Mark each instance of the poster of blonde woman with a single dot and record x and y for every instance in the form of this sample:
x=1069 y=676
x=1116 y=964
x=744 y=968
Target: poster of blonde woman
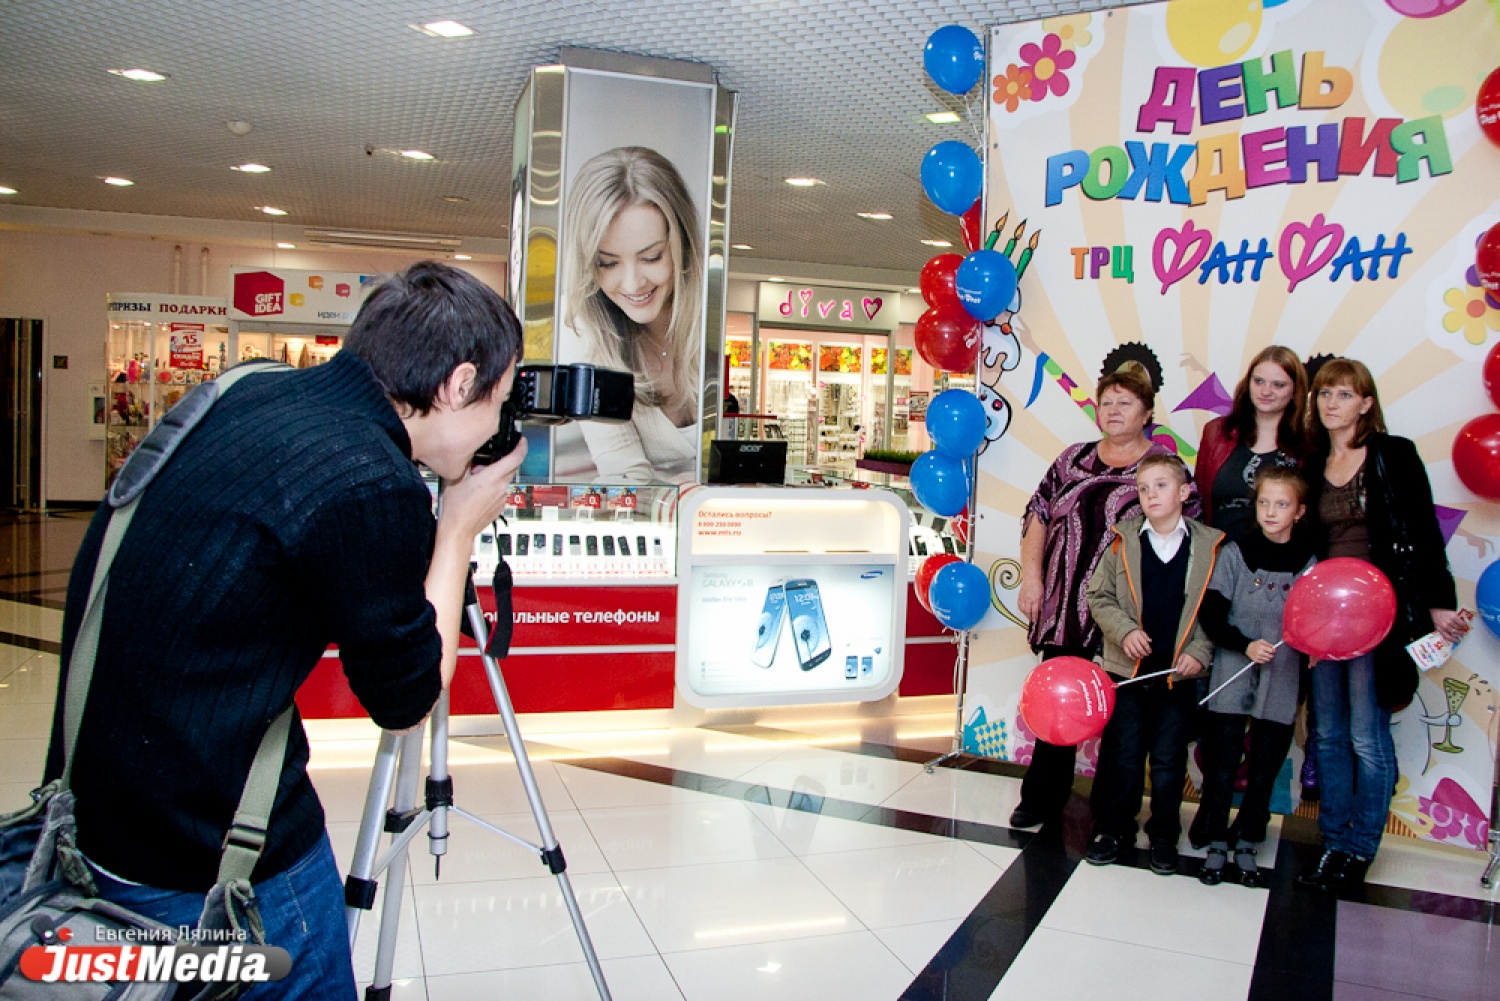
x=634 y=249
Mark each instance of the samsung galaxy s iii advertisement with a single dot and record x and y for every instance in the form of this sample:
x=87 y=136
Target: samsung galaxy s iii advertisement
x=801 y=630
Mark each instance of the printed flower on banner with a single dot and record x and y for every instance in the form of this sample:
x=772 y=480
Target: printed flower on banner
x=1047 y=63
x=1014 y=87
x=1456 y=818
x=1470 y=314
x=1072 y=30
x=1024 y=747
x=1408 y=809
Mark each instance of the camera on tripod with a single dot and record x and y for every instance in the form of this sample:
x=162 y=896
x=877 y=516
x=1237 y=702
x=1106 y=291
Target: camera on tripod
x=558 y=394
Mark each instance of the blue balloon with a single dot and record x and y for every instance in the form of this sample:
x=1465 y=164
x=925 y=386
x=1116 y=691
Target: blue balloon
x=1487 y=597
x=959 y=595
x=956 y=421
x=954 y=59
x=952 y=176
x=941 y=483
x=986 y=284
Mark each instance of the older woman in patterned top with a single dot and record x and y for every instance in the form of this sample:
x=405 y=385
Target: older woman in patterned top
x=1089 y=488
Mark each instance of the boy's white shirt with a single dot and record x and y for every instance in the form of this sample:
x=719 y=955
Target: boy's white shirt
x=1166 y=543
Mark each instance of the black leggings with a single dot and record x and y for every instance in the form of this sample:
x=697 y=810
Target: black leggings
x=1223 y=746
x=1049 y=778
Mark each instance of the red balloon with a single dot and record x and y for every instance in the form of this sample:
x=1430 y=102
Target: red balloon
x=948 y=338
x=960 y=525
x=1067 y=700
x=928 y=570
x=937 y=278
x=972 y=225
x=1476 y=454
x=1340 y=609
x=1487 y=106
x=1487 y=261
x=1492 y=374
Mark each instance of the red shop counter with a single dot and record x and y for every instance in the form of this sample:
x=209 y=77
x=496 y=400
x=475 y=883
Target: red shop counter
x=583 y=647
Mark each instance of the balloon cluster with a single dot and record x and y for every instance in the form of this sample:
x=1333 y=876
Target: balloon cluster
x=956 y=592
x=962 y=293
x=1476 y=450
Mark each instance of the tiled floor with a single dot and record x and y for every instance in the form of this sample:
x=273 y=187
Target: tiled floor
x=822 y=861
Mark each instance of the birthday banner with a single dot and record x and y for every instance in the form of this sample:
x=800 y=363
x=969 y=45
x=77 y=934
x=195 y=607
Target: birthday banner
x=1182 y=184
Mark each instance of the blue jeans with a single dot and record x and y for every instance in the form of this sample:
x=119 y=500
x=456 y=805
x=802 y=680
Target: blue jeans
x=1356 y=756
x=303 y=911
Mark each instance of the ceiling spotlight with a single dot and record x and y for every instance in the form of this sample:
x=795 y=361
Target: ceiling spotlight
x=878 y=216
x=938 y=243
x=286 y=246
x=802 y=182
x=775 y=279
x=416 y=154
x=119 y=182
x=463 y=257
x=454 y=199
x=914 y=291
x=443 y=29
x=268 y=210
x=943 y=118
x=740 y=246
x=143 y=76
x=239 y=128
x=6 y=191
x=252 y=168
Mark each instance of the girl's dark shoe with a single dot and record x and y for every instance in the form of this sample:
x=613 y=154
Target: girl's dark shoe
x=1328 y=872
x=1212 y=873
x=1244 y=861
x=1351 y=877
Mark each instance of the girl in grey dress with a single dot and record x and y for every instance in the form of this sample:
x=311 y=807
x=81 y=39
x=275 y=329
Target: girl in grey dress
x=1242 y=614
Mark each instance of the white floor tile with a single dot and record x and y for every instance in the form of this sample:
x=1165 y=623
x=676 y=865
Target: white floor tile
x=915 y=945
x=15 y=795
x=1428 y=867
x=827 y=968
x=12 y=657
x=23 y=760
x=1061 y=965
x=998 y=854
x=1170 y=913
x=708 y=830
x=504 y=924
x=32 y=682
x=591 y=790
x=26 y=721
x=707 y=752
x=949 y=792
x=411 y=989
x=407 y=962
x=638 y=978
x=817 y=773
x=478 y=788
x=476 y=854
x=735 y=903
x=30 y=620
x=909 y=884
x=815 y=834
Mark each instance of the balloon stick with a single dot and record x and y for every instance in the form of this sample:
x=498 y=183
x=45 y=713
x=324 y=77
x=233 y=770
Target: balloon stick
x=1144 y=677
x=1232 y=680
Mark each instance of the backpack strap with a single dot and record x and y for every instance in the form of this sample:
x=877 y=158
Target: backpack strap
x=247 y=835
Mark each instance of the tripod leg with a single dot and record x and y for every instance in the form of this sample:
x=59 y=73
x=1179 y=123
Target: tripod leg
x=359 y=886
x=552 y=855
x=401 y=815
x=439 y=787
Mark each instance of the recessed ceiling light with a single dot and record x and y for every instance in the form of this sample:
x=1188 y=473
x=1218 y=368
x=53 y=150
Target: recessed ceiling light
x=463 y=257
x=269 y=210
x=775 y=279
x=943 y=118
x=740 y=246
x=119 y=182
x=938 y=243
x=878 y=216
x=286 y=246
x=443 y=29
x=6 y=191
x=144 y=76
x=914 y=291
x=802 y=182
x=416 y=154
x=252 y=168
x=454 y=199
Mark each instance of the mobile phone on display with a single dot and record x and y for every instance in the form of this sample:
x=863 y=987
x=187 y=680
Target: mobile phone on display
x=640 y=545
x=948 y=546
x=505 y=543
x=921 y=548
x=523 y=545
x=539 y=543
x=624 y=546
x=591 y=545
x=574 y=549
x=851 y=667
x=809 y=627
x=768 y=632
x=557 y=545
x=609 y=545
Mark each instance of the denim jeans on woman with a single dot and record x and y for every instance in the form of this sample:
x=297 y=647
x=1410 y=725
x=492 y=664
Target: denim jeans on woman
x=1356 y=756
x=303 y=911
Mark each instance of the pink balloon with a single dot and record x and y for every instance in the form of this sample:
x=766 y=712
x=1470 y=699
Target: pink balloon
x=1422 y=8
x=1067 y=700
x=1339 y=610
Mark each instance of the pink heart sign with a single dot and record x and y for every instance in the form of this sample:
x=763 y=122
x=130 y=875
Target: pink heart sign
x=872 y=306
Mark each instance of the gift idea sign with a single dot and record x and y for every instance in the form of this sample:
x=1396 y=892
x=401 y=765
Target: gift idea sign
x=1182 y=184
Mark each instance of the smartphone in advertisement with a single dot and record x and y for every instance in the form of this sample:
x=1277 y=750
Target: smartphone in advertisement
x=609 y=545
x=851 y=667
x=809 y=627
x=557 y=544
x=505 y=541
x=768 y=632
x=523 y=544
x=948 y=546
x=591 y=545
x=625 y=546
x=539 y=543
x=574 y=547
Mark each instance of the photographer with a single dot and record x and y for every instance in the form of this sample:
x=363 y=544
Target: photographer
x=292 y=518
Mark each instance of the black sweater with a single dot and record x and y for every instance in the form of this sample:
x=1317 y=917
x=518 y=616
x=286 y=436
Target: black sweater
x=291 y=519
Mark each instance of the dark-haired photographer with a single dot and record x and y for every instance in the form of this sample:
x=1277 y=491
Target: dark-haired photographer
x=293 y=517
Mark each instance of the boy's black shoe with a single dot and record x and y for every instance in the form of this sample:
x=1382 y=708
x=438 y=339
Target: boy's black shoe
x=1164 y=860
x=1329 y=871
x=1103 y=850
x=1021 y=817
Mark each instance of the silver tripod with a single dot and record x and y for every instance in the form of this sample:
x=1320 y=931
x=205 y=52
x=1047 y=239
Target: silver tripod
x=404 y=821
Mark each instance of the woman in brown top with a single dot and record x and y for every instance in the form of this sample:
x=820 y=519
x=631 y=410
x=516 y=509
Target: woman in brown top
x=1369 y=491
